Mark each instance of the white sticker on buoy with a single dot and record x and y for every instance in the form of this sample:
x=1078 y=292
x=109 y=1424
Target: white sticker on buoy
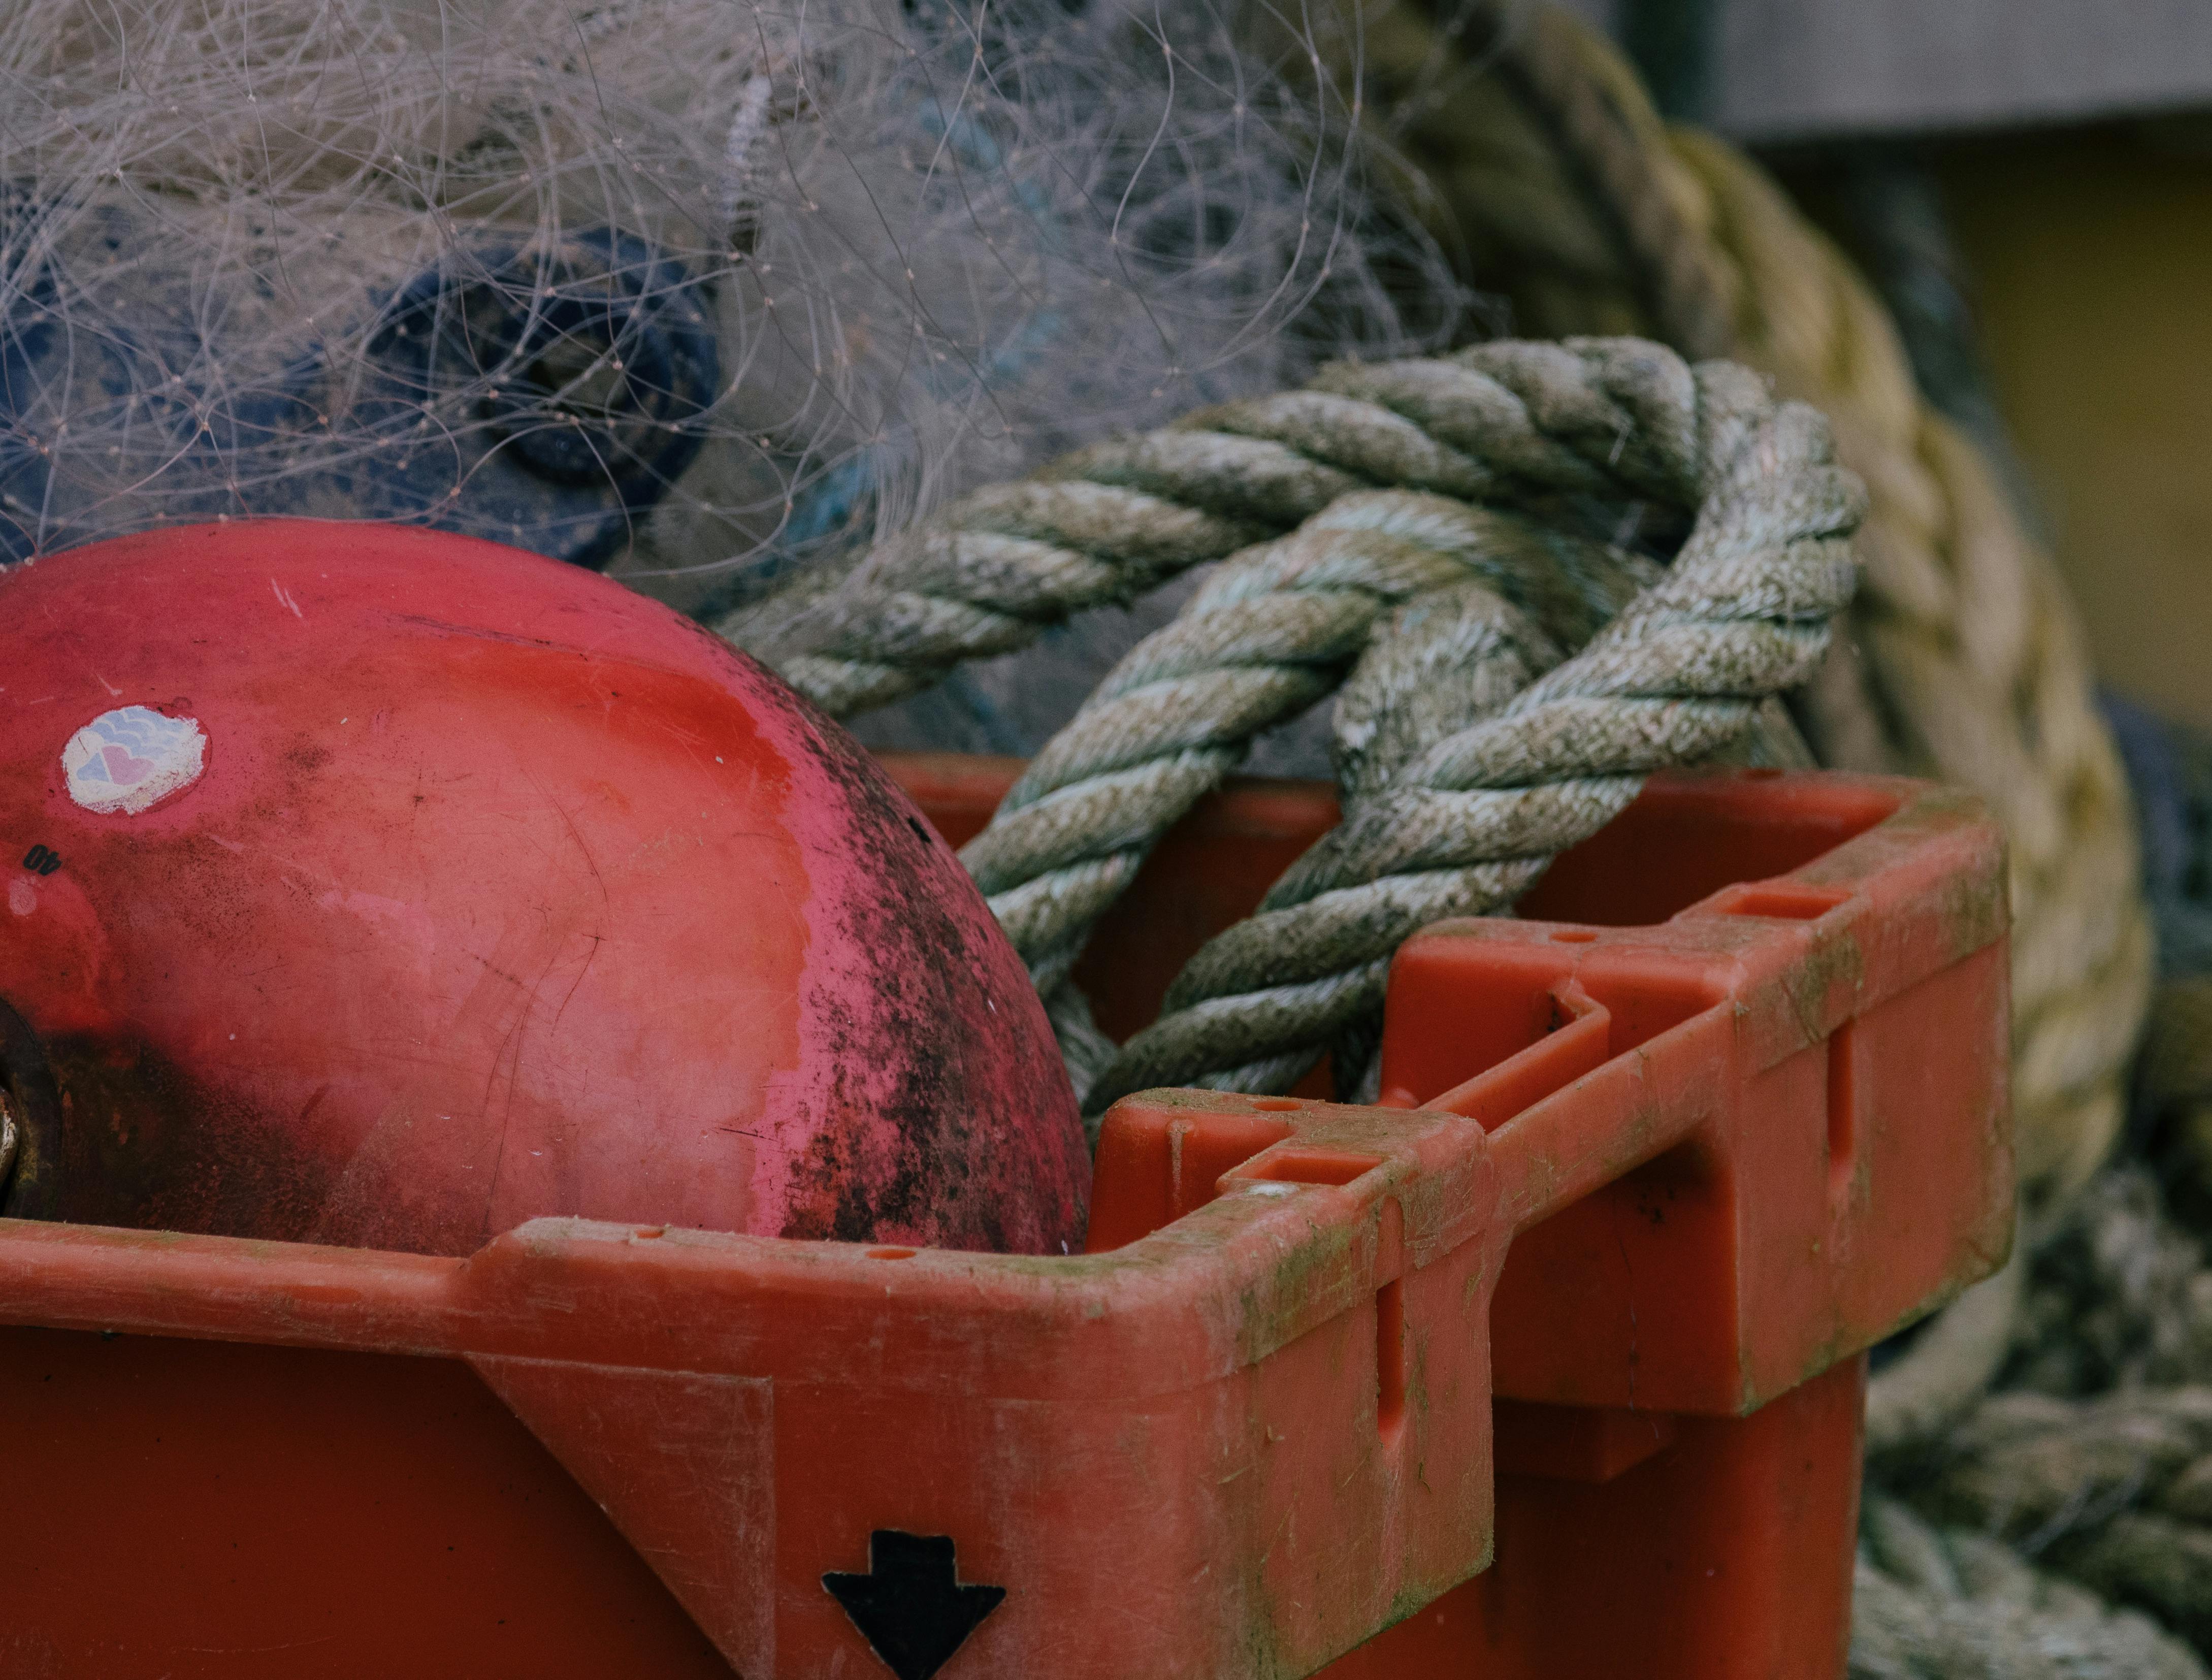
x=126 y=760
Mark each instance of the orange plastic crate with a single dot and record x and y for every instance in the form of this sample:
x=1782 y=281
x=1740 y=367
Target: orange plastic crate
x=1733 y=1097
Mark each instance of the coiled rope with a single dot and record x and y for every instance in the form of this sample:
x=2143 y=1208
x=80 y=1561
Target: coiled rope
x=1949 y=1604
x=2094 y=1463
x=1506 y=678
x=2115 y=1492
x=1576 y=200
x=1965 y=660
x=1470 y=753
x=1969 y=668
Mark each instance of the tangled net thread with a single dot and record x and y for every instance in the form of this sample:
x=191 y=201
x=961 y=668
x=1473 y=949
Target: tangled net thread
x=687 y=286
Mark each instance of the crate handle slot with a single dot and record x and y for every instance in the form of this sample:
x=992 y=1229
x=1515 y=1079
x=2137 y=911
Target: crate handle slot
x=1580 y=1042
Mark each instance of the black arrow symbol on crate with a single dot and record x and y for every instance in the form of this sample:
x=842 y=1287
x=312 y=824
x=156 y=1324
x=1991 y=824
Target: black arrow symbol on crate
x=911 y=1607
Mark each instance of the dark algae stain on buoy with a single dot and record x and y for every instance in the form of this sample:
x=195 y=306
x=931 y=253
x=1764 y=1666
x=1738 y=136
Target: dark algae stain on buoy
x=937 y=956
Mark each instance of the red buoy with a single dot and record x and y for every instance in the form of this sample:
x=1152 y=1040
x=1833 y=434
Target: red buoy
x=383 y=888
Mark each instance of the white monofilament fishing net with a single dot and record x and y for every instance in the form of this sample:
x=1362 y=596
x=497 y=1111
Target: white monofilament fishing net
x=700 y=290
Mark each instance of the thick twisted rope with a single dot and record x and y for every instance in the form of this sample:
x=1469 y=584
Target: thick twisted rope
x=1274 y=630
x=1409 y=576
x=1462 y=776
x=2117 y=1493
x=1594 y=216
x=1931 y=1603
x=1457 y=791
x=1574 y=199
x=1966 y=663
x=2096 y=1460
x=1467 y=825
x=1585 y=433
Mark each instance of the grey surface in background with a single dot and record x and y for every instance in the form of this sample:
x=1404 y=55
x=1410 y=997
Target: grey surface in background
x=1810 y=69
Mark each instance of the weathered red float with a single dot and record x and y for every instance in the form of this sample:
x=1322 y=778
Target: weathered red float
x=388 y=888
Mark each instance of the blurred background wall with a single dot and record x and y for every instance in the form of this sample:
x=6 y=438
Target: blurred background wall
x=2051 y=161
x=2089 y=253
